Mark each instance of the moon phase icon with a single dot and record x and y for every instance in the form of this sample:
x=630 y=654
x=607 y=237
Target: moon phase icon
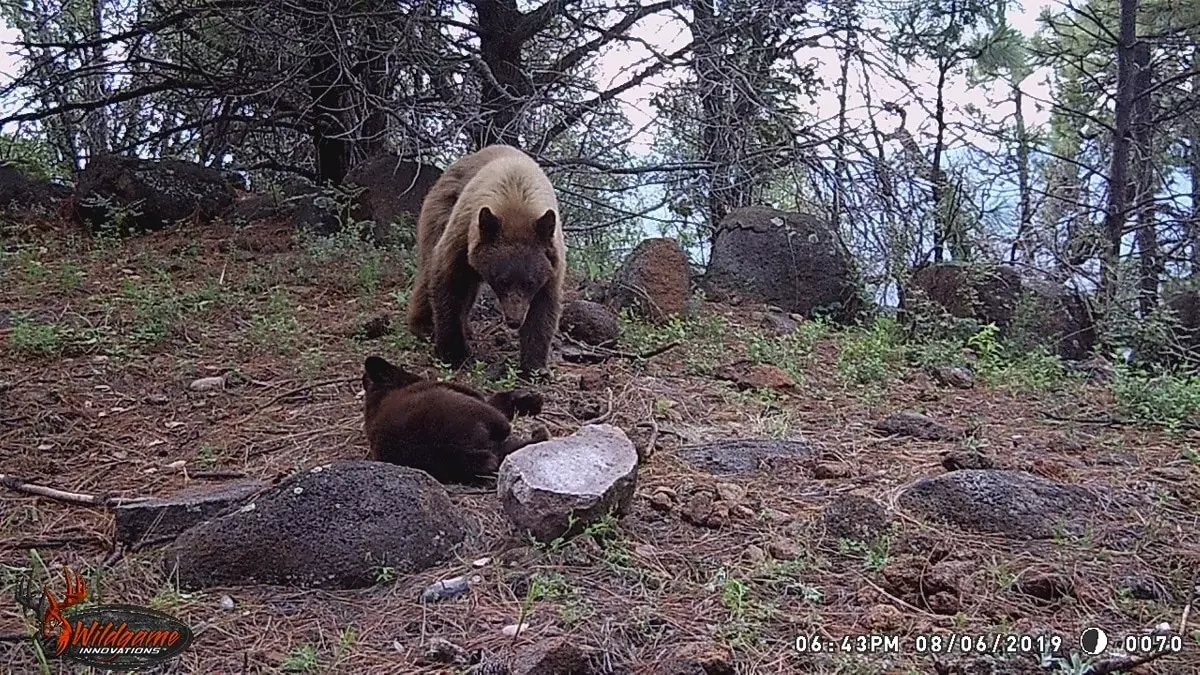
x=1093 y=641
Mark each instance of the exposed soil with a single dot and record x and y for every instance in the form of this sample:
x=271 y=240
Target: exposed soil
x=96 y=400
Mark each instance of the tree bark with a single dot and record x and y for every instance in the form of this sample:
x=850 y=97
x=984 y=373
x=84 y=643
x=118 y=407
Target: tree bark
x=1118 y=177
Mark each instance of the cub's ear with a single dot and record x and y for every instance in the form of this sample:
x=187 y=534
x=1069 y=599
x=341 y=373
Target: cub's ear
x=489 y=225
x=546 y=224
x=378 y=372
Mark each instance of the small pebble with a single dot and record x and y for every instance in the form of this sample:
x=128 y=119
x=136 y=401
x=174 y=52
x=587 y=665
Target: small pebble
x=447 y=589
x=512 y=630
x=227 y=603
x=207 y=384
x=482 y=562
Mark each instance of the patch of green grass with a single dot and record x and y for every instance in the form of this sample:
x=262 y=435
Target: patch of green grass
x=1168 y=399
x=872 y=355
x=302 y=659
x=874 y=556
x=705 y=338
x=790 y=352
x=36 y=337
x=277 y=325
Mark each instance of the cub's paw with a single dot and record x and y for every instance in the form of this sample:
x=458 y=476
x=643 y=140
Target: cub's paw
x=539 y=434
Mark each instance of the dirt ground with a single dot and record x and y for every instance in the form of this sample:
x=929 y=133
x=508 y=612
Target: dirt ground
x=100 y=339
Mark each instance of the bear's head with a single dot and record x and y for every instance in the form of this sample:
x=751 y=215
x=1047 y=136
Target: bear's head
x=516 y=254
x=381 y=378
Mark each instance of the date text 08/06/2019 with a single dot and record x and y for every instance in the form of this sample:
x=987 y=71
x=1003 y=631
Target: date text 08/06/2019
x=949 y=643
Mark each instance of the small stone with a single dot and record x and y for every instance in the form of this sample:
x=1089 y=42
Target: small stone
x=746 y=375
x=513 y=630
x=915 y=425
x=589 y=322
x=208 y=383
x=731 y=493
x=831 y=470
x=481 y=562
x=776 y=516
x=373 y=327
x=439 y=651
x=593 y=380
x=99 y=360
x=743 y=511
x=661 y=501
x=966 y=459
x=556 y=656
x=585 y=410
x=755 y=554
x=782 y=549
x=447 y=589
x=227 y=603
x=884 y=618
x=778 y=323
x=953 y=376
x=177 y=464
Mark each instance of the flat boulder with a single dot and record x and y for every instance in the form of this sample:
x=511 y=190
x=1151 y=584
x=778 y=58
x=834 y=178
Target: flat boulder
x=337 y=525
x=1015 y=504
x=558 y=487
x=793 y=261
x=914 y=425
x=158 y=518
x=654 y=282
x=742 y=455
x=130 y=194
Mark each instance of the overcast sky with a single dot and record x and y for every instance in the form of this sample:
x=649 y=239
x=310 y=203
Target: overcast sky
x=667 y=33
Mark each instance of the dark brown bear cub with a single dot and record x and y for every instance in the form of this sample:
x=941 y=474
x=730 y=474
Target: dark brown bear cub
x=445 y=429
x=492 y=217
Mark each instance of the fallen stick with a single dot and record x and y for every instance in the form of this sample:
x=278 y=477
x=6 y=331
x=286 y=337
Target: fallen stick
x=18 y=485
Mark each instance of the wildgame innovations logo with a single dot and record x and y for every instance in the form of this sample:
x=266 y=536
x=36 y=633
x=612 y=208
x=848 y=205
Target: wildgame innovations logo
x=116 y=637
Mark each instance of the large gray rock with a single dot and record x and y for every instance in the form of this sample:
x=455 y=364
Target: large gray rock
x=1029 y=311
x=559 y=487
x=19 y=192
x=1012 y=503
x=130 y=194
x=393 y=190
x=793 y=261
x=156 y=518
x=337 y=525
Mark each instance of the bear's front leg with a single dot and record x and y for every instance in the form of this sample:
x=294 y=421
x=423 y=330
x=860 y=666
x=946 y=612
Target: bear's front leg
x=541 y=323
x=448 y=297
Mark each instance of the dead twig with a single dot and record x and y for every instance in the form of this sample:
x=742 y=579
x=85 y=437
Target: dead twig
x=18 y=485
x=608 y=353
x=606 y=415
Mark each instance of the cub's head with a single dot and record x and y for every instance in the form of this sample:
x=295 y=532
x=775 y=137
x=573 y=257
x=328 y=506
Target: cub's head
x=381 y=378
x=517 y=255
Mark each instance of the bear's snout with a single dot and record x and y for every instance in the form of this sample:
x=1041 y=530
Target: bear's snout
x=514 y=308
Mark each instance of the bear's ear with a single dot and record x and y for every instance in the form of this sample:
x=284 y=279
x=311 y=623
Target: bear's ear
x=489 y=225
x=546 y=224
x=378 y=372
